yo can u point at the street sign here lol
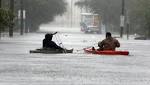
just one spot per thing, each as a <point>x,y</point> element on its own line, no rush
<point>122,18</point>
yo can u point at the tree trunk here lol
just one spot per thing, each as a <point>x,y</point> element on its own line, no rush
<point>0,3</point>
<point>0,7</point>
<point>0,32</point>
<point>21,17</point>
<point>12,26</point>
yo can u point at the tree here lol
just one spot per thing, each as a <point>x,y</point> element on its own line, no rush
<point>6,17</point>
<point>110,11</point>
<point>42,11</point>
<point>140,16</point>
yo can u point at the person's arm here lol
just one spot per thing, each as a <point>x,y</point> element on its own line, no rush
<point>100,44</point>
<point>56,46</point>
<point>117,43</point>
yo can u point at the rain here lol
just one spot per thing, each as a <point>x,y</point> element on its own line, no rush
<point>77,25</point>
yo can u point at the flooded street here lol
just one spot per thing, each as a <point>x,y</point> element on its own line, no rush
<point>19,67</point>
<point>78,24</point>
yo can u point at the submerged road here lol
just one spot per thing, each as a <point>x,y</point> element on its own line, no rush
<point>19,67</point>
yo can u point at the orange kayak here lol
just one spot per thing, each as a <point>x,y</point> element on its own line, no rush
<point>107,52</point>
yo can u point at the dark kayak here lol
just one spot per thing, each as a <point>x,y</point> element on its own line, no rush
<point>50,51</point>
<point>108,52</point>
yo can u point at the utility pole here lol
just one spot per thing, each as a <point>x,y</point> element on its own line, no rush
<point>122,19</point>
<point>71,14</point>
<point>12,11</point>
<point>21,17</point>
<point>25,22</point>
<point>0,25</point>
<point>128,24</point>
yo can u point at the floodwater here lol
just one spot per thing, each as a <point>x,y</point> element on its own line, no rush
<point>19,67</point>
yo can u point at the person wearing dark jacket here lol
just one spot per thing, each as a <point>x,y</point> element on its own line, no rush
<point>109,43</point>
<point>48,43</point>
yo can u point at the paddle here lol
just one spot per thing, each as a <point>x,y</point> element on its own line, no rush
<point>54,33</point>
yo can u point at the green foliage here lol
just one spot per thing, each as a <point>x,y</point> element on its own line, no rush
<point>140,16</point>
<point>6,18</point>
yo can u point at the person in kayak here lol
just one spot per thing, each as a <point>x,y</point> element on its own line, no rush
<point>48,43</point>
<point>109,43</point>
